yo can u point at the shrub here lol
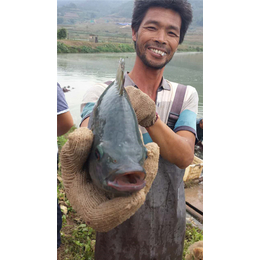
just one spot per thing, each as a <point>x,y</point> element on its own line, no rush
<point>62,48</point>
<point>107,48</point>
<point>86,49</point>
<point>73,49</point>
<point>126,47</point>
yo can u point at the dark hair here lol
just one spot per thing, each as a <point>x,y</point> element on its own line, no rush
<point>182,7</point>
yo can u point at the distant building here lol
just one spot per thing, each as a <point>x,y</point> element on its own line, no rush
<point>93,38</point>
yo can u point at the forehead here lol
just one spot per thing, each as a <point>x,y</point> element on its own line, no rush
<point>163,16</point>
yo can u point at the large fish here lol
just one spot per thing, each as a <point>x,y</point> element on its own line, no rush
<point>117,154</point>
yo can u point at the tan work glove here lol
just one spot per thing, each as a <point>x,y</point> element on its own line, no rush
<point>143,106</point>
<point>92,204</point>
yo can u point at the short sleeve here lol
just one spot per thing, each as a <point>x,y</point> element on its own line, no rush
<point>188,115</point>
<point>62,105</point>
<point>89,100</point>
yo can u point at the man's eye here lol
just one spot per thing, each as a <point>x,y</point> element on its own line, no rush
<point>173,34</point>
<point>151,28</point>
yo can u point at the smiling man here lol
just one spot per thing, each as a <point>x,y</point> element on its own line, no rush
<point>156,231</point>
<point>157,37</point>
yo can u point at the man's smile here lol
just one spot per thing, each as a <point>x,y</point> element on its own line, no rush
<point>157,51</point>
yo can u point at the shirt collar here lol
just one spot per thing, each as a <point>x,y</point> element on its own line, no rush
<point>129,82</point>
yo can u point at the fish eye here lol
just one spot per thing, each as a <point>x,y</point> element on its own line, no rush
<point>99,152</point>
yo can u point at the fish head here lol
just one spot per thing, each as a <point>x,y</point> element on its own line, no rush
<point>118,169</point>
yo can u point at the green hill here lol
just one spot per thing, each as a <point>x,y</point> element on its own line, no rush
<point>71,12</point>
<point>106,19</point>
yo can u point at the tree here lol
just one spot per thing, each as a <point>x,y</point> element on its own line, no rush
<point>62,33</point>
<point>72,5</point>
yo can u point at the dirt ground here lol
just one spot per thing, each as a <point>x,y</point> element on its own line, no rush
<point>76,43</point>
<point>72,221</point>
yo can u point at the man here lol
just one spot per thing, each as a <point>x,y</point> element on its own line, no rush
<point>157,229</point>
<point>64,123</point>
<point>199,126</point>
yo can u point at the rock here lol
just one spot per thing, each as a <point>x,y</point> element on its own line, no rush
<point>65,89</point>
<point>92,244</point>
<point>195,251</point>
<point>64,209</point>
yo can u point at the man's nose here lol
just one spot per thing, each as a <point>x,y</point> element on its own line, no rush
<point>161,37</point>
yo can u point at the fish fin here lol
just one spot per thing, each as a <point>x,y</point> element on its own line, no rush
<point>141,135</point>
<point>120,76</point>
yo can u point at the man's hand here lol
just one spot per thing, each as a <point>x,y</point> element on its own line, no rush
<point>91,203</point>
<point>143,105</point>
<point>177,148</point>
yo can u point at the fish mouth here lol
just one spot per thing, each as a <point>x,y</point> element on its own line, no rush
<point>130,181</point>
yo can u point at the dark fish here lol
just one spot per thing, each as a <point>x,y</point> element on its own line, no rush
<point>117,154</point>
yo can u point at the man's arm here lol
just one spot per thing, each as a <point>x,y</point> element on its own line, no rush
<point>89,100</point>
<point>85,122</point>
<point>177,148</point>
<point>64,123</point>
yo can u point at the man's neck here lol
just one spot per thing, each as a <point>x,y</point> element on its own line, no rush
<point>147,79</point>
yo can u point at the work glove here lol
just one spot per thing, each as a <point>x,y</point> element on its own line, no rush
<point>92,204</point>
<point>143,106</point>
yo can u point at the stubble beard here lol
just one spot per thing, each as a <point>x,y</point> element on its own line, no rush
<point>149,63</point>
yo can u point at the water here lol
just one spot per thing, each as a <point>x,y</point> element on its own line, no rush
<point>82,71</point>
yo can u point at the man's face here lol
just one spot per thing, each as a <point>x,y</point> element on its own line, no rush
<point>158,37</point>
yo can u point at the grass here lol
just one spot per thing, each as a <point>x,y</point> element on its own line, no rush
<point>73,46</point>
<point>77,239</point>
<point>192,235</point>
<point>69,46</point>
<point>114,38</point>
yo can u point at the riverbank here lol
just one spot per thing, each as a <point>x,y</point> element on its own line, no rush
<point>74,46</point>
<point>78,240</point>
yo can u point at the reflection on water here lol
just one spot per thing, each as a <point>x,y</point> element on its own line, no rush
<point>82,71</point>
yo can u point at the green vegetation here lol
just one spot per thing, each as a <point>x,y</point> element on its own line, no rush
<point>62,48</point>
<point>62,33</point>
<point>63,138</point>
<point>192,235</point>
<point>111,47</point>
<point>190,49</point>
<point>110,23</point>
<point>77,239</point>
<point>92,48</point>
<point>121,9</point>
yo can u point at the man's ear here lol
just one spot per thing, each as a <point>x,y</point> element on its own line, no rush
<point>133,35</point>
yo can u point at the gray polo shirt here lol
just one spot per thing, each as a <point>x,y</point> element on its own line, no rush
<point>157,230</point>
<point>164,100</point>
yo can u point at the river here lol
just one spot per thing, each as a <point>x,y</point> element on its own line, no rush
<point>82,71</point>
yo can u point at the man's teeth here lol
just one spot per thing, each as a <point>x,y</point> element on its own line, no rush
<point>158,52</point>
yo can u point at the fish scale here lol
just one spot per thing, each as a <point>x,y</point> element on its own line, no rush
<point>117,155</point>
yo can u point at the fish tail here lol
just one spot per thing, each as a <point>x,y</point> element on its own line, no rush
<point>120,76</point>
